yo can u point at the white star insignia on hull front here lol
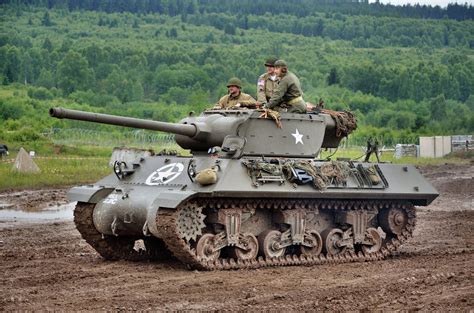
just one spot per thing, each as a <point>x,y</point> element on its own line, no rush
<point>165,174</point>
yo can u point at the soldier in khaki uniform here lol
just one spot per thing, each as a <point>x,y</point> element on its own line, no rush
<point>267,82</point>
<point>235,99</point>
<point>288,95</point>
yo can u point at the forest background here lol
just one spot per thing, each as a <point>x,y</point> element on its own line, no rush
<point>405,71</point>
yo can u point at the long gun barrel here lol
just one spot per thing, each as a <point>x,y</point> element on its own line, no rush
<point>245,131</point>
<point>180,129</point>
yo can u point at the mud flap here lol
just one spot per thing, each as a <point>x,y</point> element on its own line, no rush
<point>89,193</point>
<point>169,199</point>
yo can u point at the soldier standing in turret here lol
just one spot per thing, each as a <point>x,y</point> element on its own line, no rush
<point>235,98</point>
<point>268,82</point>
<point>288,95</point>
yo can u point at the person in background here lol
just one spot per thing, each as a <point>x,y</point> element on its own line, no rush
<point>372,147</point>
<point>235,98</point>
<point>288,96</point>
<point>268,82</point>
<point>3,151</point>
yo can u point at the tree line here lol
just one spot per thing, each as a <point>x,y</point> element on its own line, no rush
<point>298,8</point>
<point>161,66</point>
<point>169,70</point>
<point>363,31</point>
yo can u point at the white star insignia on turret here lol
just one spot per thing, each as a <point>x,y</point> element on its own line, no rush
<point>298,137</point>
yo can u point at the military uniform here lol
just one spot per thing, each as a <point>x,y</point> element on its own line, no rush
<point>228,101</point>
<point>266,86</point>
<point>288,94</point>
<point>267,83</point>
<point>372,147</point>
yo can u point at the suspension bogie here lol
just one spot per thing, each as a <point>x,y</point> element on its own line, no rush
<point>244,233</point>
<point>292,230</point>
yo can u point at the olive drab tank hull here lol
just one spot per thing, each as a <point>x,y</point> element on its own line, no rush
<point>250,196</point>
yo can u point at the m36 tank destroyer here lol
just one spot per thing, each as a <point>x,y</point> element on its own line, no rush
<point>251,194</point>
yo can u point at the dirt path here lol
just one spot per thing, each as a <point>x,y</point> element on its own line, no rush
<point>46,265</point>
<point>32,200</point>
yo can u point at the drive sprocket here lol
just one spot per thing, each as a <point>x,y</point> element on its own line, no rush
<point>190,222</point>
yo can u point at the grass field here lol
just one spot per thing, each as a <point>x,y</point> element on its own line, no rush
<point>55,172</point>
<point>358,154</point>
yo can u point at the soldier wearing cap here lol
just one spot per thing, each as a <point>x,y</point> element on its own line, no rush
<point>235,98</point>
<point>288,95</point>
<point>267,82</point>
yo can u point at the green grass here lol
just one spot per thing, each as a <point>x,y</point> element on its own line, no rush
<point>58,170</point>
<point>48,149</point>
<point>55,172</point>
<point>358,154</point>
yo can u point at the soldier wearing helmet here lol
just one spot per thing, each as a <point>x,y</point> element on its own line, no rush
<point>235,98</point>
<point>267,82</point>
<point>288,96</point>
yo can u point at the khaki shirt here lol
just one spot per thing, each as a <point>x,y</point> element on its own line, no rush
<point>228,101</point>
<point>266,87</point>
<point>288,89</point>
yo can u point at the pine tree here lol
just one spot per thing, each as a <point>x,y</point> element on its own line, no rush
<point>333,77</point>
<point>46,21</point>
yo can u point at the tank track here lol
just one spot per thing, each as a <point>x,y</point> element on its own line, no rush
<point>166,221</point>
<point>116,248</point>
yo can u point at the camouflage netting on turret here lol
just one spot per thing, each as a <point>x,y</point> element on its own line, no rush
<point>346,122</point>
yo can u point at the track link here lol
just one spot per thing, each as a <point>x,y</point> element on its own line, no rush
<point>166,222</point>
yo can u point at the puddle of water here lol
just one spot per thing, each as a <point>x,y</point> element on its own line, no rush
<point>61,212</point>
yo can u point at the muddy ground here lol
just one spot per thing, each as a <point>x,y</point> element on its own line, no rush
<point>44,264</point>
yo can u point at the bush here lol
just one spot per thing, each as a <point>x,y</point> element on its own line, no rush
<point>25,135</point>
<point>9,110</point>
<point>93,99</point>
<point>40,93</point>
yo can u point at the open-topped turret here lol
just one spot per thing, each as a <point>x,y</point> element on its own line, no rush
<point>238,132</point>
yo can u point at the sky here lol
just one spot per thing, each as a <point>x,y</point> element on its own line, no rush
<point>441,3</point>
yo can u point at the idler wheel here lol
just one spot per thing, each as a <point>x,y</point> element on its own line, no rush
<point>393,220</point>
<point>376,241</point>
<point>117,247</point>
<point>269,243</point>
<point>251,244</point>
<point>205,248</point>
<point>316,242</point>
<point>332,241</point>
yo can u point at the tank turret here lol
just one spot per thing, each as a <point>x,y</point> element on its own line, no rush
<point>239,132</point>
